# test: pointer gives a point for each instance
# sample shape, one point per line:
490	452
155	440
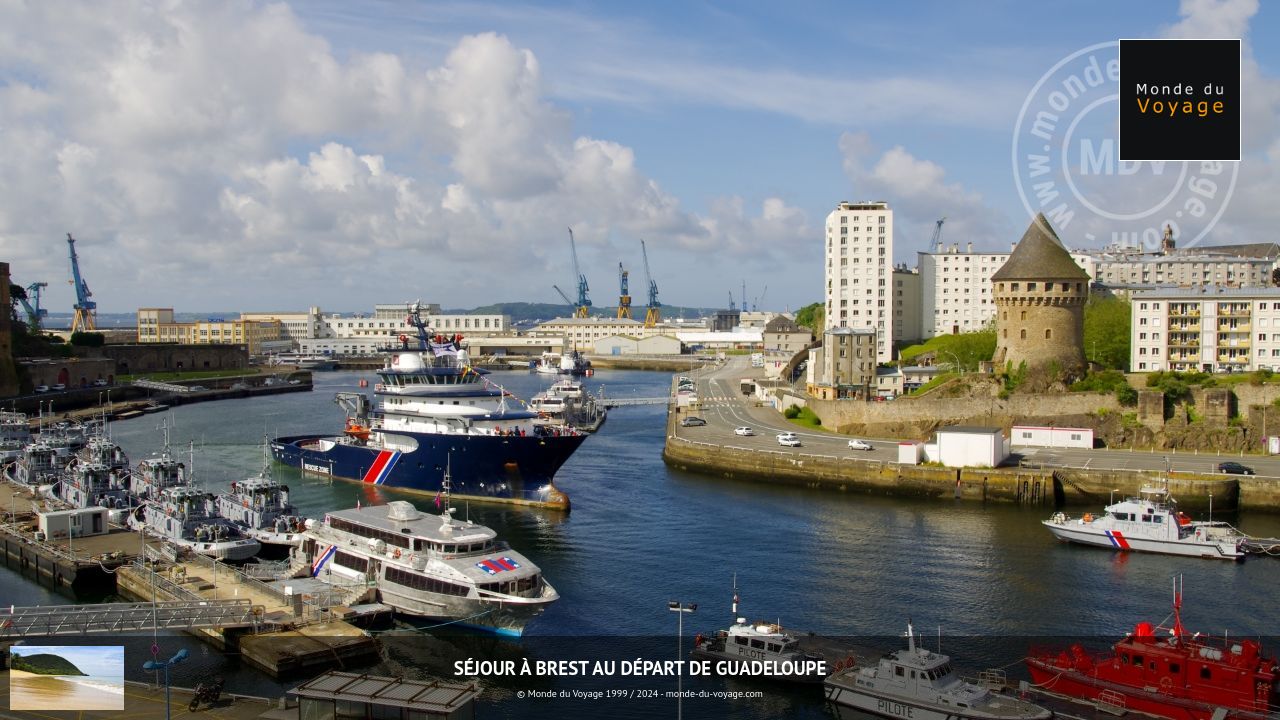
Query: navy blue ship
430	407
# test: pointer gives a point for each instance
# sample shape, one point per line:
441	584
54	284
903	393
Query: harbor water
640	535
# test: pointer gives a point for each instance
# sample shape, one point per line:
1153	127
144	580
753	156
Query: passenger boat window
1157	519
897	670
740	640
1137	660
757	644
913	675
1205	672
1175	668
1146	518
774	648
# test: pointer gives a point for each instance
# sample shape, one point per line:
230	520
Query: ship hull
1085	688
483	467
1113	540
841	691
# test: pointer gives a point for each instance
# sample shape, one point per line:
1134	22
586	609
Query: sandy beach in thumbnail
28	691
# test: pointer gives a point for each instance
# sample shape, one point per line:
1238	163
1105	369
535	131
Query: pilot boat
922	685
259	507
764	642
1150	522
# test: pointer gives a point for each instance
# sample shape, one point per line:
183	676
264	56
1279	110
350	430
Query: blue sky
251	156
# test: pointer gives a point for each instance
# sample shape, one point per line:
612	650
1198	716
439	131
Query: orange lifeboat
356	430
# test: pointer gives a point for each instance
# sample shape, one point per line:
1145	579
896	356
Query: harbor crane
652	313
624	295
86	317
732	306
31	304
755	304
567	301
937	234
584	300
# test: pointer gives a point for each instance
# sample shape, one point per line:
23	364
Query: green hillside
44	664
523	311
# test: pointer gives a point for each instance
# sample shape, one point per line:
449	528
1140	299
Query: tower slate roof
1040	255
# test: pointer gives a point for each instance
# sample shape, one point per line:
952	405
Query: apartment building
1210	329
858	272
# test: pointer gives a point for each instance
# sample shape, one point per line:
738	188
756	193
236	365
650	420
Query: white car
744	431
860	445
789	441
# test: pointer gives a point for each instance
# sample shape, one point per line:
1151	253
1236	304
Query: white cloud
919	194
221	156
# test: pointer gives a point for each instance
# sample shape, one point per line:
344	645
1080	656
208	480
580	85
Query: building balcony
1237	328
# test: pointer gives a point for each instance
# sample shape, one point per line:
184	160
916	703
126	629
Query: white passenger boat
430	566
1150	522
922	685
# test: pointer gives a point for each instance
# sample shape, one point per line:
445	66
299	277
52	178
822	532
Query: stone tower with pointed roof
1039	296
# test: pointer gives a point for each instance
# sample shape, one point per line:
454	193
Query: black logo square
1179	100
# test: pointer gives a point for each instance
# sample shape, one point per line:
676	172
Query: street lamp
955	357
165	665
680	609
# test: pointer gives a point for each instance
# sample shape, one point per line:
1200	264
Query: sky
242	155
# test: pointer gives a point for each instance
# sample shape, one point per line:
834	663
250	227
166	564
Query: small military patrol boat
761	642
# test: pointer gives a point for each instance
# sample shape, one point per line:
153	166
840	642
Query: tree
88	339
1275	277
1106	331
812	316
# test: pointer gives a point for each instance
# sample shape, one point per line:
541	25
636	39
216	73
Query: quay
289	633
1084	477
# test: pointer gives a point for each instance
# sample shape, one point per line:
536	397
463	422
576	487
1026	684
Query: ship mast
1178	630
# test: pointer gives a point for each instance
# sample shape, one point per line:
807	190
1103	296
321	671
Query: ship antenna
911	637
735	594
446	484
1178	630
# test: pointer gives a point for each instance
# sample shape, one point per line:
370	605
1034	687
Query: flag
357	503
437	499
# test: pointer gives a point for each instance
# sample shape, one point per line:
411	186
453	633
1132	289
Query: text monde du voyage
1177	100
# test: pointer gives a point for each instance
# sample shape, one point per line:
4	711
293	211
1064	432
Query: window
1024	334
1048	334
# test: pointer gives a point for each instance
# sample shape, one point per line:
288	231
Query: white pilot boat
922	685
430	566
1150	522
764	642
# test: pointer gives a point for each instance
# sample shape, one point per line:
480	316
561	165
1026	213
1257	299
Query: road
724	407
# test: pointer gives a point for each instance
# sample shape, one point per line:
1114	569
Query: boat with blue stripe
429	408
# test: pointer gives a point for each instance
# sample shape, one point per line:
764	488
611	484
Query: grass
191	375
935	382
808	419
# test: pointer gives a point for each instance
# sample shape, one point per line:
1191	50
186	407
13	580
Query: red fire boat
1166	672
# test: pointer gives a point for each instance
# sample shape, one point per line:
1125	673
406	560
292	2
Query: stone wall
72	372
918	417
138	359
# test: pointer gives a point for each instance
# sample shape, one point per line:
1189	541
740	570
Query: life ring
839	665
396	554
404	338
848	661
697	640
1166	683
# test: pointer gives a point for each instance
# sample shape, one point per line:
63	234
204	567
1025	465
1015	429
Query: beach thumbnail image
66	677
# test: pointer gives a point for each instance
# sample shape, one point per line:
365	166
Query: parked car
856	444
42	388
789	441
1235	468
744	431
59	387
693	422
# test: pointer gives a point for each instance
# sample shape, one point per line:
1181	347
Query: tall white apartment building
859	269
955	287
1212	329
